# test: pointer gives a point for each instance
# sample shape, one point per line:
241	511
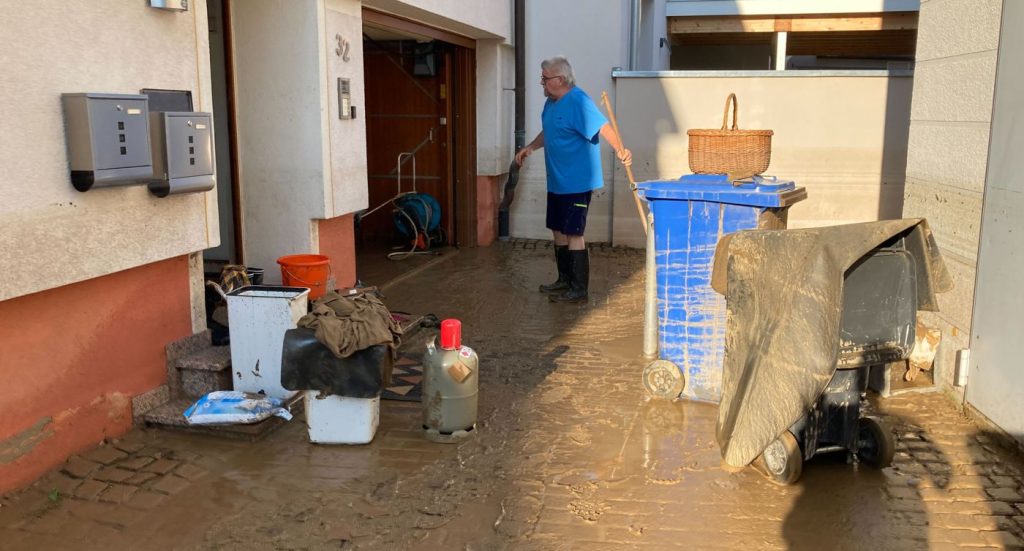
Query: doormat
406	380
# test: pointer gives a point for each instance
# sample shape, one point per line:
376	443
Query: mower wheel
781	462
876	445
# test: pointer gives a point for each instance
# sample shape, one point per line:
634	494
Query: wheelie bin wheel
876	444
781	461
663	379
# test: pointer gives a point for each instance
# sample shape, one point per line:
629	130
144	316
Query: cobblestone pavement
567	455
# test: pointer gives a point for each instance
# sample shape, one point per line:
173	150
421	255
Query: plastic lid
760	191
451	334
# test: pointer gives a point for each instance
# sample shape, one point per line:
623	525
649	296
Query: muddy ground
568	454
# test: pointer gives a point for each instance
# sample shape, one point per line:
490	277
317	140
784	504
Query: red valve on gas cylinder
451	334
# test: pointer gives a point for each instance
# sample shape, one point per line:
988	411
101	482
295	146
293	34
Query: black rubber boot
579	282
562	261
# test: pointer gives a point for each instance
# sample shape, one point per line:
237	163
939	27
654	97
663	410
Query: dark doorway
420	136
229	251
407	130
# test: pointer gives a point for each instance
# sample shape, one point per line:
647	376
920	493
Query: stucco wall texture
950	118
52	234
94	284
73	358
281	121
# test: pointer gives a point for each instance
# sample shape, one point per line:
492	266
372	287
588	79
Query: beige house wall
495	106
843	136
948	149
282	106
53	235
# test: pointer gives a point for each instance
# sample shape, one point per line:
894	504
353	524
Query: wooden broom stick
629	170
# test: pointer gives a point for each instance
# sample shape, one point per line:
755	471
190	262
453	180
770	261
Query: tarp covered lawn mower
810	311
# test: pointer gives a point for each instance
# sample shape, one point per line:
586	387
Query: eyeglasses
545	79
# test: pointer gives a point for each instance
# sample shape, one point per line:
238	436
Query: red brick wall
338	242
72	358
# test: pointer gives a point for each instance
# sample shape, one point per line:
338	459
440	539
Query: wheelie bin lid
759	191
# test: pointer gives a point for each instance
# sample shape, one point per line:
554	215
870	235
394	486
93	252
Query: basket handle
735	113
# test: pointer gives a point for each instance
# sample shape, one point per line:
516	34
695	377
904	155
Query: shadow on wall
895	138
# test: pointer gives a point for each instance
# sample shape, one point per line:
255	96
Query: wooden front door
407	111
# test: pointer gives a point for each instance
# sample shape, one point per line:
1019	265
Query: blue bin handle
757	180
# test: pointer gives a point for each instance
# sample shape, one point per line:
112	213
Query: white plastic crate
341	419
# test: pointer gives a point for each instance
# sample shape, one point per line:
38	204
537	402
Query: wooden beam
799	23
401	24
723	39
885	22
696	25
891	44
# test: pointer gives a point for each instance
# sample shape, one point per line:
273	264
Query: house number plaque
342	49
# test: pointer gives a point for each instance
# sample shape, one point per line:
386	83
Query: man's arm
525	152
624	155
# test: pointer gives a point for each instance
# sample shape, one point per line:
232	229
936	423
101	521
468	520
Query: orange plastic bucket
306	270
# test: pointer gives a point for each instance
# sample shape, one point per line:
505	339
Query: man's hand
522	154
626	156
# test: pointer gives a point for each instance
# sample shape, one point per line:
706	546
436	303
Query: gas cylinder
450	384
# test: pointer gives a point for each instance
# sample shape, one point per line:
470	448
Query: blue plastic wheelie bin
690	215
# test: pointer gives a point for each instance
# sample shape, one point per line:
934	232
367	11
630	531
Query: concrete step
171	415
204	370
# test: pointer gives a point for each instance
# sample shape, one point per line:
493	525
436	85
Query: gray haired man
572	127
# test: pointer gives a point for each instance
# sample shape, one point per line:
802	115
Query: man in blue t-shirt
571	125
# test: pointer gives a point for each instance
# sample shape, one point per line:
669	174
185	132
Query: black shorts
567	213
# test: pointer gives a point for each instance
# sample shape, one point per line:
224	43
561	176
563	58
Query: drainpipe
634	34
520	117
520	38
650	342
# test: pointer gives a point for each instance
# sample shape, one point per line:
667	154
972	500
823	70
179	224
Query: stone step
204	370
171	415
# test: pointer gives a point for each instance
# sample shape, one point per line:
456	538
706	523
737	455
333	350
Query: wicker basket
739	153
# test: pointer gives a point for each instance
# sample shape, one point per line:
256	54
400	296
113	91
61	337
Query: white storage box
340	419
258	316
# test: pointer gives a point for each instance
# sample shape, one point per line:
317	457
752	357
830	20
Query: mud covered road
568	455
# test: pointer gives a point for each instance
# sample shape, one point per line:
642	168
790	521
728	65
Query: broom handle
629	171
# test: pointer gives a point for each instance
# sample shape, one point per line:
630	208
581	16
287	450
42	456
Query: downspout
650	342
634	34
520	115
520	93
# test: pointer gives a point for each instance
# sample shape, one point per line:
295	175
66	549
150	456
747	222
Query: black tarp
306	364
784	292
